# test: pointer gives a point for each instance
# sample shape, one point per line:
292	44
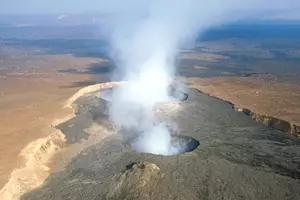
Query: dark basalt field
237	158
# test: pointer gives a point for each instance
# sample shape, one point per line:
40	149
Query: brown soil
204	57
31	99
264	97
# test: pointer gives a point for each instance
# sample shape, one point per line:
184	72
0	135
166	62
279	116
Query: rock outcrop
273	122
37	155
139	181
270	121
90	89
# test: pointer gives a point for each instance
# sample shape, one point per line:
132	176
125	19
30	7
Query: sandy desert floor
33	91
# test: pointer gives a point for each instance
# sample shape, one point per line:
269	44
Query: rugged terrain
237	158
41	67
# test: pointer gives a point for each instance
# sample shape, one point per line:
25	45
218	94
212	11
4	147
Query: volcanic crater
238	158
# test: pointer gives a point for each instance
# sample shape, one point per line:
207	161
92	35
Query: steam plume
145	49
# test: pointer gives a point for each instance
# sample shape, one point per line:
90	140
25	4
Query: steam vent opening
179	144
177	95
174	94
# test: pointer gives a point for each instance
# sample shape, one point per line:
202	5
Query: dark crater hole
179	144
177	95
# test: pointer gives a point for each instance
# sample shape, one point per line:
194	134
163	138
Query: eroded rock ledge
276	123
270	121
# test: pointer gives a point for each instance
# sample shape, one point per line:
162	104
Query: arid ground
259	76
33	91
38	74
262	94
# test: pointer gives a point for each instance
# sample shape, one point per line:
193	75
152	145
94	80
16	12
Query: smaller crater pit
179	144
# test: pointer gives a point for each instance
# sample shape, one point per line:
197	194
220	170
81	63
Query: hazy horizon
269	9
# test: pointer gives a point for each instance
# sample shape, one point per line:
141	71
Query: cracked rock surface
237	158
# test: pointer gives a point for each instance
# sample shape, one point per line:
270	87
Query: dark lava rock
238	158
141	181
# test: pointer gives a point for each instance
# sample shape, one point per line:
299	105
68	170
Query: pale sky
78	6
268	9
68	6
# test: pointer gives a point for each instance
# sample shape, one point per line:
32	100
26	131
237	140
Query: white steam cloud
145	49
